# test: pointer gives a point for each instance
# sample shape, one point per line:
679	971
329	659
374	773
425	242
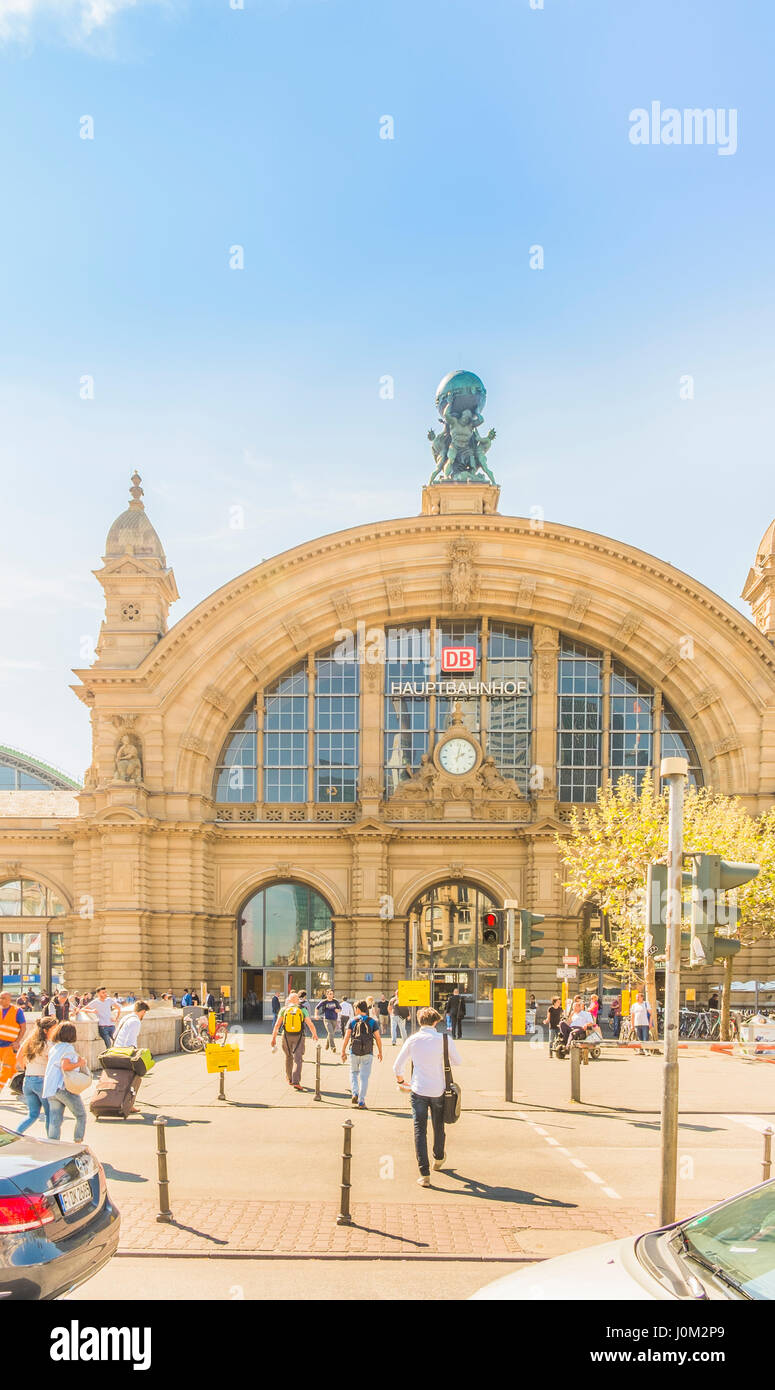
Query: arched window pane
509	654
579	721
462	634
33	899
677	743
337	723
285	737
235	776
631	739
11	899
407	657
286	924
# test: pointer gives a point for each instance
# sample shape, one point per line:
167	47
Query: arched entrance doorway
446	923
286	941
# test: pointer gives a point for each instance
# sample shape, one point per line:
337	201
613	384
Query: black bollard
164	1183
575	1072
317	1073
344	1218
222	1087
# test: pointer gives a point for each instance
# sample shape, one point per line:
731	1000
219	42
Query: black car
58	1226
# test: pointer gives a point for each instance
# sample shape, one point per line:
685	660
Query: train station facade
356	748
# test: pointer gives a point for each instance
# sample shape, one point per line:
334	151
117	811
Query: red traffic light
490	919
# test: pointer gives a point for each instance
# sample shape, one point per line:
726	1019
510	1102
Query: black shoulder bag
452	1094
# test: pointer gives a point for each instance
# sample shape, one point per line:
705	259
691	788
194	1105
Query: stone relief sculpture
129	767
422	783
494	783
458	450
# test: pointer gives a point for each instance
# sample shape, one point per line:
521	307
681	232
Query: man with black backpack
292	1020
362	1032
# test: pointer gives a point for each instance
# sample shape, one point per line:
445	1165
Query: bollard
767	1159
575	1072
222	1087
317	1073
344	1218
164	1183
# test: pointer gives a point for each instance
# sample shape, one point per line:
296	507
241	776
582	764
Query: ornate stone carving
11	869
297	633
460	454
129	766
216	698
706	697
671	659
727	745
91	777
372	675
526	593
578	607
369	788
494	784
627	628
194	745
462	579
124	722
395	593
251	658
343	608
422	782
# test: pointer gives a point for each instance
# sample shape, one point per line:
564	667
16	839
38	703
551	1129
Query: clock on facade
457	756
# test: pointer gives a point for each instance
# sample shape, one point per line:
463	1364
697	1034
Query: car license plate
74	1197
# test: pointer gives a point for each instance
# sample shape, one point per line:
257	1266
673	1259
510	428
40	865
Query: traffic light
493	928
527	935
712	875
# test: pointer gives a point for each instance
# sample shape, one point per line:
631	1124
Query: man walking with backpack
362	1032
425	1051
292	1020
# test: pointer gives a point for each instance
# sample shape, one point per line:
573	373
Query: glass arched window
299	750
25	898
21	951
502	652
286	924
587	749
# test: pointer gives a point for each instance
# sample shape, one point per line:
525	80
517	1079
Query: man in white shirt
107	1013
640	1018
128	1033
577	1023
425	1050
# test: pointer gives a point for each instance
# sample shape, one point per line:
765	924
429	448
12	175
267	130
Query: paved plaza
255	1181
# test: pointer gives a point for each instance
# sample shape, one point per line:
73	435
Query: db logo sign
458	658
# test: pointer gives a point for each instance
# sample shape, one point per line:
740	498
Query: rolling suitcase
116	1091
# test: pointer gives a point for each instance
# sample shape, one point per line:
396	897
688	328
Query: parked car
725	1252
58	1226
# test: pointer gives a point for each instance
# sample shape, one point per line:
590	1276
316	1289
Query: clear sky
364	258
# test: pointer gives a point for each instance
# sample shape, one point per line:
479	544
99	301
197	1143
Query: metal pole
317	1072
344	1218
222	1088
164	1183
673	771
575	1072
415	926
509	981
767	1159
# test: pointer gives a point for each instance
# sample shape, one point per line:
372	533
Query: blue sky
365	257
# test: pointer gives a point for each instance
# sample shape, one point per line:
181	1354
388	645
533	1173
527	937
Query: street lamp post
673	771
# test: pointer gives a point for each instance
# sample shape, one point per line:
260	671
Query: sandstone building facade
294	786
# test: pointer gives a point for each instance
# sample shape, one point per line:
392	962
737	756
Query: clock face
458	756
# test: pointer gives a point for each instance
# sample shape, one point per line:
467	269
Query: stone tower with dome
139	588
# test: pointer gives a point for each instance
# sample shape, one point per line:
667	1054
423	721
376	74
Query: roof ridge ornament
136	493
458	451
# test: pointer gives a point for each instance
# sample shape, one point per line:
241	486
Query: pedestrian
577	1022
362	1032
62	1057
188	998
107	1012
329	1009
275	1007
531	1003
383	1014
13	1026
425	1051
552	1021
32	1058
372	1008
640	1018
23	1002
59	1006
129	1030
713	1001
194	998
456	1008
210	1001
399	1014
292	1020
594	1008
346	1013
615	1015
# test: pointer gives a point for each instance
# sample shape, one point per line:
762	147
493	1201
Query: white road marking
577	1162
752	1122
610	1192
593	1177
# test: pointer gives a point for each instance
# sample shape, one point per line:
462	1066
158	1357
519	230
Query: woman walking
62	1058
33	1057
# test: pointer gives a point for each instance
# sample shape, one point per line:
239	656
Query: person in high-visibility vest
13	1026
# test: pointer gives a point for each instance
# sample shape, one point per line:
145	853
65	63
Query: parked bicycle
195	1035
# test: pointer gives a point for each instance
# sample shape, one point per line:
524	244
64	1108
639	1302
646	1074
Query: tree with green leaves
609	846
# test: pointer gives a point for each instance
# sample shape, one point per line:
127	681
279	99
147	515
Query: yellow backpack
293	1019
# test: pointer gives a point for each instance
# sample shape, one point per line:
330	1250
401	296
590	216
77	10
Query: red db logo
458	658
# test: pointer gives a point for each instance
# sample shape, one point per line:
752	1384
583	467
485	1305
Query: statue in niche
129	767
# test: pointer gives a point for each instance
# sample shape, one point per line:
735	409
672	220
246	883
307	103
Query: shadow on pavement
121	1176
474	1188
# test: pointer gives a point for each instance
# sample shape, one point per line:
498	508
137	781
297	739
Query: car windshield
738	1239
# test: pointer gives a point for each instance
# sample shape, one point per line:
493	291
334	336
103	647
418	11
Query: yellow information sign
691	995
564	996
627	996
222	1057
518	1023
414	994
